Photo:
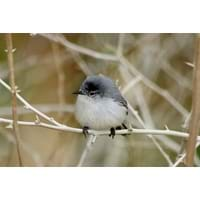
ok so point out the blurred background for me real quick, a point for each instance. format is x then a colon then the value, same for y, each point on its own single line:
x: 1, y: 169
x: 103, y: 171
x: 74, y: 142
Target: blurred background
x: 155, y: 76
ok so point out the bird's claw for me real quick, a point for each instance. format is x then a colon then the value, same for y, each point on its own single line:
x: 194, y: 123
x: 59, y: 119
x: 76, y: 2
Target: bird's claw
x: 112, y: 133
x: 85, y: 131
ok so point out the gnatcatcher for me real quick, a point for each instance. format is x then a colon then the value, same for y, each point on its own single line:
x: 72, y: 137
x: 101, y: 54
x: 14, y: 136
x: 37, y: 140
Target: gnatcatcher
x: 100, y: 105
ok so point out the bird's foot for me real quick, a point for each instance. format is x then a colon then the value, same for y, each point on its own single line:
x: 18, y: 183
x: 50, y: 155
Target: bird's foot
x: 123, y: 126
x: 85, y: 131
x: 118, y: 128
x: 112, y: 133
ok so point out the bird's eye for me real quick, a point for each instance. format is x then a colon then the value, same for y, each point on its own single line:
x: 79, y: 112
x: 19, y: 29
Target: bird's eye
x: 92, y: 93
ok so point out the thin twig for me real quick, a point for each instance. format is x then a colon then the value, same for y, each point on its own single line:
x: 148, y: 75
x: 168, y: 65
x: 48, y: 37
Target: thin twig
x: 131, y: 84
x: 142, y: 103
x: 62, y: 40
x: 154, y: 87
x: 124, y: 62
x: 45, y: 108
x: 82, y: 64
x: 179, y: 78
x: 15, y: 128
x: 60, y: 77
x: 189, y: 64
x: 194, y: 124
x: 149, y: 123
x: 181, y: 158
x: 136, y: 115
x: 161, y: 150
x: 120, y: 44
x: 27, y: 149
x: 169, y: 143
x: 73, y: 51
x: 29, y: 106
x: 60, y: 91
x: 86, y: 150
x: 98, y: 133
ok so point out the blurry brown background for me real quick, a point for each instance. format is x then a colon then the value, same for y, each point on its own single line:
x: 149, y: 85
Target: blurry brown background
x: 47, y: 73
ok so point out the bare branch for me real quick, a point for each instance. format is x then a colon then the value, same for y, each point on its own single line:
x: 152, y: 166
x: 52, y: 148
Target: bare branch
x: 86, y: 150
x: 89, y: 52
x: 28, y: 106
x: 161, y: 150
x: 13, y: 88
x: 99, y: 133
x: 60, y: 77
x: 45, y: 108
x: 189, y: 64
x: 181, y: 158
x: 149, y: 123
x: 120, y: 45
x: 82, y: 64
x: 142, y: 104
x: 27, y: 148
x: 131, y: 84
x: 155, y: 87
x: 180, y: 79
x: 194, y: 124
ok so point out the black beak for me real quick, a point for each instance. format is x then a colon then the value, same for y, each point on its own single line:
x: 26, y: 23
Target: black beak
x: 79, y: 92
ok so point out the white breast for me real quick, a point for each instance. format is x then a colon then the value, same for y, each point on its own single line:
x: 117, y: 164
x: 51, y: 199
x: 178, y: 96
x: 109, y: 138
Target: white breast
x: 99, y: 113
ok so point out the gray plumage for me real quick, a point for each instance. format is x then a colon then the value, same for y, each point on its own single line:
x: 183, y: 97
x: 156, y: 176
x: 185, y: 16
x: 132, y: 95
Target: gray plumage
x: 106, y: 86
x: 100, y: 104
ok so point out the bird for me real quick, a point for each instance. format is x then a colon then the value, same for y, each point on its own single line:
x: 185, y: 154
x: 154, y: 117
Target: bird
x: 100, y: 105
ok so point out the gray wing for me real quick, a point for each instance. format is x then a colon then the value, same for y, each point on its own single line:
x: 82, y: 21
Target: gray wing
x: 122, y: 101
x: 111, y: 90
x: 119, y: 98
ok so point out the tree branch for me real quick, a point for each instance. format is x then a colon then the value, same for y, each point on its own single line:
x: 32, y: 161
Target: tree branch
x: 99, y: 133
x: 86, y: 150
x: 45, y: 108
x: 60, y: 77
x: 28, y: 106
x: 62, y: 40
x: 154, y: 87
x: 13, y: 89
x: 194, y: 124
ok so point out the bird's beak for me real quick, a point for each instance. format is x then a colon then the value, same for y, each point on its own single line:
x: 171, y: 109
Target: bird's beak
x: 78, y: 92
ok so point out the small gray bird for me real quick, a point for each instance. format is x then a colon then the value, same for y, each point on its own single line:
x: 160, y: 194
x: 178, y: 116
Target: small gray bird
x: 100, y: 105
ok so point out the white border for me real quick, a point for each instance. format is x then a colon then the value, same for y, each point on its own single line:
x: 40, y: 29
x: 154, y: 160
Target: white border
x: 99, y: 183
x: 100, y: 16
